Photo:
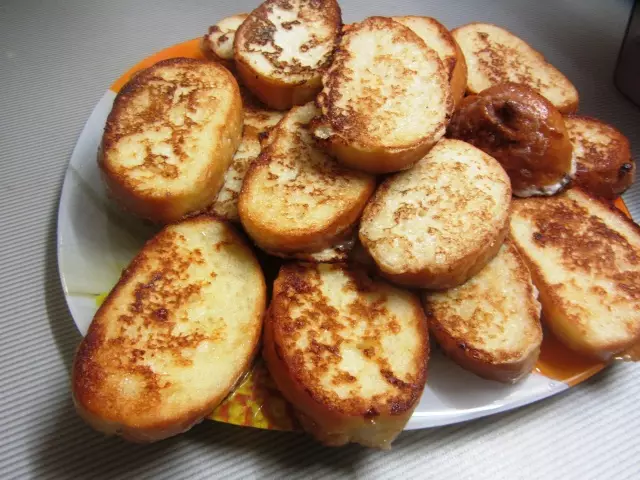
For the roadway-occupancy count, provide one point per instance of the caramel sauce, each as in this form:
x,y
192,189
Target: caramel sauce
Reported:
x,y
188,49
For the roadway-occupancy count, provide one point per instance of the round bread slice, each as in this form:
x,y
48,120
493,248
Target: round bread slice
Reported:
x,y
490,325
386,98
297,199
439,223
174,336
602,154
349,352
437,37
217,44
495,55
170,137
283,47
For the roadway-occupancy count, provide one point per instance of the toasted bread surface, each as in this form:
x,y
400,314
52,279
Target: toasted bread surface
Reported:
x,y
495,55
584,258
490,325
297,199
602,154
436,225
523,131
386,98
217,43
175,334
283,47
437,37
349,352
170,137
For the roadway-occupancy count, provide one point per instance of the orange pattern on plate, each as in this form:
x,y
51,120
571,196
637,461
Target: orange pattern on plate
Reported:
x,y
258,403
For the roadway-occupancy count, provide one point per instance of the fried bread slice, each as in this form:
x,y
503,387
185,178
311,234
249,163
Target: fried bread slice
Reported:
x,y
257,122
602,154
386,98
283,47
170,137
217,43
437,37
490,325
439,223
495,55
349,352
584,258
174,336
297,199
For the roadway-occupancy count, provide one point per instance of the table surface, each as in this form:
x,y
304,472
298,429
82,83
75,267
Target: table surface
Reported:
x,y
56,60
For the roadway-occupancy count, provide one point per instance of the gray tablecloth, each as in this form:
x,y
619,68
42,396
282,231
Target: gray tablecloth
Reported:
x,y
56,60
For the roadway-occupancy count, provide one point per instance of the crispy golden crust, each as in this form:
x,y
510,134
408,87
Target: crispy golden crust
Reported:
x,y
494,55
584,258
295,198
604,166
486,328
283,47
523,131
349,352
438,224
170,137
153,364
217,43
382,108
437,37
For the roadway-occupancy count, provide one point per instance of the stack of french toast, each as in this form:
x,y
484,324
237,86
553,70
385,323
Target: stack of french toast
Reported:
x,y
409,179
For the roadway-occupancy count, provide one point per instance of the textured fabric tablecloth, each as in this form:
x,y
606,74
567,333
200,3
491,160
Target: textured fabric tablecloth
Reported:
x,y
56,60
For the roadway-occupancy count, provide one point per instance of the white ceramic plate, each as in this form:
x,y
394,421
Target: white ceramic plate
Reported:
x,y
96,241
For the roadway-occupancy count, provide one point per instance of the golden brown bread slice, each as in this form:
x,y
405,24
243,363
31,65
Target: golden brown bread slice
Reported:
x,y
490,325
283,47
436,225
170,137
584,258
349,352
437,37
175,334
495,55
386,98
257,122
217,43
602,154
297,199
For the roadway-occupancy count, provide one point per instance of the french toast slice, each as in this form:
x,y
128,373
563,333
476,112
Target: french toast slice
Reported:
x,y
439,223
170,137
386,98
495,55
174,336
437,37
602,154
349,352
283,47
217,43
297,199
584,258
257,122
490,325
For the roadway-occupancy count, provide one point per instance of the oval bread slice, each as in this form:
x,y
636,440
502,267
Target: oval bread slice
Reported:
x,y
174,336
170,137
295,198
437,37
490,325
602,154
349,352
495,55
439,223
217,44
386,98
283,47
